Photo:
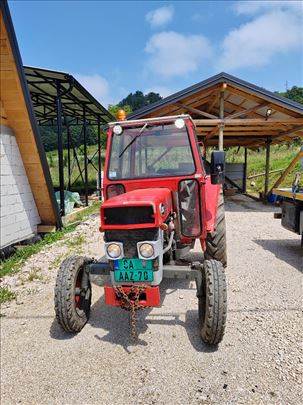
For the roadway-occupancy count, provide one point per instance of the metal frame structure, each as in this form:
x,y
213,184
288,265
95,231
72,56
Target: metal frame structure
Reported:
x,y
60,101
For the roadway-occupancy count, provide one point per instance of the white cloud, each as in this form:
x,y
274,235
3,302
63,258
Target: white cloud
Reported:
x,y
160,16
162,90
97,85
254,7
256,42
173,54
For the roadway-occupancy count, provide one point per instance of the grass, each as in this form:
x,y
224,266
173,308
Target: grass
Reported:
x,y
6,294
52,158
75,242
280,158
34,275
13,264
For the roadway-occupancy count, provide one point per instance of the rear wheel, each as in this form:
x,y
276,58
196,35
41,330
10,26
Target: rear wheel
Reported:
x,y
216,240
212,297
73,294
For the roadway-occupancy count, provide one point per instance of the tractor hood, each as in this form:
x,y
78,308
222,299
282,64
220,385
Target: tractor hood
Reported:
x,y
142,208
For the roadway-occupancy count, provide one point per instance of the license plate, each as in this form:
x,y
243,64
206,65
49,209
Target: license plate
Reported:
x,y
133,270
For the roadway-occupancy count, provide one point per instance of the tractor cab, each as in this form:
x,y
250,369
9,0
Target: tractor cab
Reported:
x,y
161,153
158,199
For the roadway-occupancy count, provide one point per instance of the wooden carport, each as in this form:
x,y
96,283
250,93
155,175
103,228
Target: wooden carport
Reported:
x,y
228,112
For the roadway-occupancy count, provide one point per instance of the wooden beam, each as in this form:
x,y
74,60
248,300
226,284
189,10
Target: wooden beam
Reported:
x,y
245,171
238,107
267,162
212,133
244,112
196,111
250,133
289,132
287,170
221,112
215,100
257,99
46,228
248,121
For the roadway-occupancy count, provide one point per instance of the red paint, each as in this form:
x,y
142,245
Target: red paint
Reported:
x,y
151,299
139,198
208,192
211,203
78,297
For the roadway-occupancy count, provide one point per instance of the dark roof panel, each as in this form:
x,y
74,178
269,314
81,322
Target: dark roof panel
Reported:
x,y
212,81
43,88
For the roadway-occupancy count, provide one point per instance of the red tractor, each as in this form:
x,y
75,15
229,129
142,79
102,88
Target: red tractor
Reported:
x,y
159,197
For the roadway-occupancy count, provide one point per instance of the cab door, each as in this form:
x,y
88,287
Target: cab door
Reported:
x,y
190,208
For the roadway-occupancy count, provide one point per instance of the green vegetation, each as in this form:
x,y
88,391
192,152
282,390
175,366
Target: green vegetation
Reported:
x,y
130,103
34,275
295,94
280,158
75,242
76,181
280,155
6,295
13,264
49,136
138,100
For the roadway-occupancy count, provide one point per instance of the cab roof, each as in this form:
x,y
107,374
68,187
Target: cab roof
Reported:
x,y
171,118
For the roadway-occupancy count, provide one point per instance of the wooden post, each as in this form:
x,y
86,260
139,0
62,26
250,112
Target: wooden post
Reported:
x,y
221,113
245,171
288,169
268,142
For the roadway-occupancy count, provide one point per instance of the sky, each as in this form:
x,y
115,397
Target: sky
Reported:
x,y
117,47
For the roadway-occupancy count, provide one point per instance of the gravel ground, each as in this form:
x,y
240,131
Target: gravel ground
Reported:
x,y
258,362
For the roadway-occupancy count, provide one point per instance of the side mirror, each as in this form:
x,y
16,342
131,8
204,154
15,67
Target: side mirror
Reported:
x,y
217,167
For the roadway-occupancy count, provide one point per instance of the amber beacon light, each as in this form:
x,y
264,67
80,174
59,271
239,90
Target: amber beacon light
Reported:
x,y
121,115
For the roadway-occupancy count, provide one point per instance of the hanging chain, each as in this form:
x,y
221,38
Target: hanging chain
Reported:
x,y
130,302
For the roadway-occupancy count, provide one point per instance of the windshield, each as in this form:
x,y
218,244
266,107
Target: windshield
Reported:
x,y
158,151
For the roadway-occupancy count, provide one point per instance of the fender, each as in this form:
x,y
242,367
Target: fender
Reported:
x,y
212,192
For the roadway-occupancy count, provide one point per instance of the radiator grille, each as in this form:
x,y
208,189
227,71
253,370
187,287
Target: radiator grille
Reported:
x,y
129,215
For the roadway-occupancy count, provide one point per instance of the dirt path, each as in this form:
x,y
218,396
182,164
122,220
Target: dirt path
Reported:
x,y
258,362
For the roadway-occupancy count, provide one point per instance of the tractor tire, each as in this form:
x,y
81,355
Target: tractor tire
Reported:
x,y
216,240
212,297
72,303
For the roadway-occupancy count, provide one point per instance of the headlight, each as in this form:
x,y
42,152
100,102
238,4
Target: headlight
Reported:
x,y
113,250
146,250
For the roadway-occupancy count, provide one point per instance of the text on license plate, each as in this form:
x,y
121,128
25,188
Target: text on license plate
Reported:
x,y
133,270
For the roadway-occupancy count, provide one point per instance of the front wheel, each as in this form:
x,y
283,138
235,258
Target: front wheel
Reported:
x,y
212,295
73,294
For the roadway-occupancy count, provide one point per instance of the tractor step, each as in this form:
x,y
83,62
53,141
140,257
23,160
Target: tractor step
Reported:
x,y
180,272
149,298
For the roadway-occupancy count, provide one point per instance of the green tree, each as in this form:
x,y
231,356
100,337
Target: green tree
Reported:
x,y
138,100
295,94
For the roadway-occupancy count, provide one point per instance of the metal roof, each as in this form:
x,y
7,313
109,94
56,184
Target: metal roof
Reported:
x,y
46,84
211,81
242,100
